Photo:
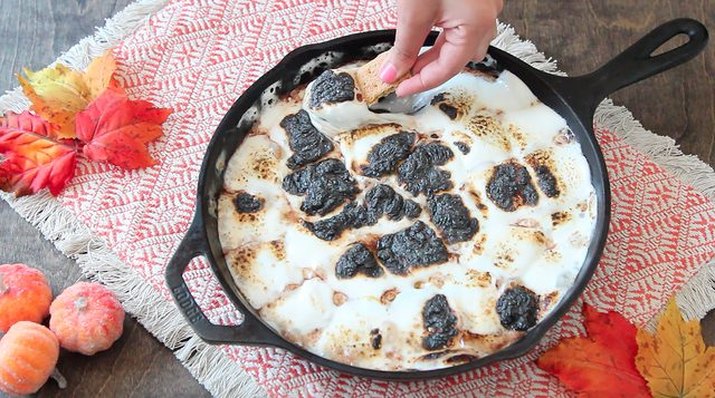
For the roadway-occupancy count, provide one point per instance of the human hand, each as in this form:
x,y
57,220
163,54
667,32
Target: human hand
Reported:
x,y
468,28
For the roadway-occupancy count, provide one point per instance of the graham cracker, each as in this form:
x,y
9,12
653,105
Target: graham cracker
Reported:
x,y
368,80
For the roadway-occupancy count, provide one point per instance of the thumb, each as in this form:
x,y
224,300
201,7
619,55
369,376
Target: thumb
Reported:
x,y
414,22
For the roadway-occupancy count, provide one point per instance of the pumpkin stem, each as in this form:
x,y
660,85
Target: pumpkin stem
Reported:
x,y
80,303
3,287
61,381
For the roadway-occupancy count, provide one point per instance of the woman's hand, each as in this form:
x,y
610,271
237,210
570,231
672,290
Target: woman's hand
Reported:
x,y
468,27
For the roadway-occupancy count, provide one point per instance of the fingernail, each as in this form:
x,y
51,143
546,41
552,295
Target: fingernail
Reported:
x,y
388,73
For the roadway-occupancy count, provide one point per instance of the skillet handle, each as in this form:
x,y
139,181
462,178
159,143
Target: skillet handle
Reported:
x,y
637,62
633,65
250,332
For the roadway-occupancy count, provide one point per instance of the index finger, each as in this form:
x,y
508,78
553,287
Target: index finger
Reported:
x,y
414,22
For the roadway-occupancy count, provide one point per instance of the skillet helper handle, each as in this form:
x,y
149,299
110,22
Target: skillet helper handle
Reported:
x,y
637,62
250,332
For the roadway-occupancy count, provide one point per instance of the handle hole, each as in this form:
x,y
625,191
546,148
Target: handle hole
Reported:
x,y
209,295
674,42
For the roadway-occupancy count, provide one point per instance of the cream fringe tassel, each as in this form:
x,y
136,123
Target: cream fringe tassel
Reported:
x,y
208,364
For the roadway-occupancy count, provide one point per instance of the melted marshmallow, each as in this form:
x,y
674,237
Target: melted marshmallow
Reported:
x,y
288,274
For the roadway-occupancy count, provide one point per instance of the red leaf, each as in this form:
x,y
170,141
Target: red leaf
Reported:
x,y
613,328
27,121
602,364
117,129
32,160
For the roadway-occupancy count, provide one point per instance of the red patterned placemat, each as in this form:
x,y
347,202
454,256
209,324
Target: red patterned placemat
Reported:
x,y
197,57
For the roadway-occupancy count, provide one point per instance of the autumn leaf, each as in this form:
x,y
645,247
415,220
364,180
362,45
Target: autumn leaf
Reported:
x,y
58,93
32,160
74,111
601,364
675,360
100,75
117,129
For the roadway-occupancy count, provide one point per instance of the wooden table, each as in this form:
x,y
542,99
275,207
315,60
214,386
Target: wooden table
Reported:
x,y
581,34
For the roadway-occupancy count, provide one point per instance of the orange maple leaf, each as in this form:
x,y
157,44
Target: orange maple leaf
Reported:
x,y
100,75
58,93
675,360
32,159
117,129
602,364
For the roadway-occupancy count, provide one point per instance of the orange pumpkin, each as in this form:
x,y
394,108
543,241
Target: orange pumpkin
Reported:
x,y
28,355
25,295
87,318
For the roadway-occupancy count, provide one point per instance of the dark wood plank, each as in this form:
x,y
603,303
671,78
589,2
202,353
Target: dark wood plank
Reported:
x,y
582,35
35,32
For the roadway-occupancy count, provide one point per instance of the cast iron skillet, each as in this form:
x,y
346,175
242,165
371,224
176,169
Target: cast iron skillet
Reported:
x,y
574,98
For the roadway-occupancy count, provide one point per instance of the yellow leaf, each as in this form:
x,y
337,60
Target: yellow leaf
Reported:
x,y
58,93
675,361
99,74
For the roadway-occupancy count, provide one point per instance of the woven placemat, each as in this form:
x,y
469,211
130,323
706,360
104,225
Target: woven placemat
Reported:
x,y
197,57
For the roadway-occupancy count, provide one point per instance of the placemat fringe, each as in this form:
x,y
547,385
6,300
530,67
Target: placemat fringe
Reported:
x,y
697,297
508,40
